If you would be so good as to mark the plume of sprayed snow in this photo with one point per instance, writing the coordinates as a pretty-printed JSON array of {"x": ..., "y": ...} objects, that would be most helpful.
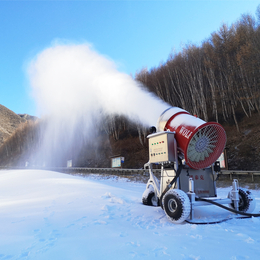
[{"x": 73, "y": 84}]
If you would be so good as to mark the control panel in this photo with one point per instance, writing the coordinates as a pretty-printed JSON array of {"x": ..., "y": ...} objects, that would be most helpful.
[{"x": 162, "y": 147}]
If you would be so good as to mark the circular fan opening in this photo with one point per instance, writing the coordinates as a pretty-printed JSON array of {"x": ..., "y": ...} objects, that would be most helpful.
[{"x": 206, "y": 146}]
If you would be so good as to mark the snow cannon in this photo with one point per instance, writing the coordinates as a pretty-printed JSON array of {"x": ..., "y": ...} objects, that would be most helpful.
[
  {"x": 200, "y": 143},
  {"x": 184, "y": 187}
]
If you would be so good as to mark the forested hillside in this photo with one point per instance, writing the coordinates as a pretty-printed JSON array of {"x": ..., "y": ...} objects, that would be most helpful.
[{"x": 217, "y": 81}]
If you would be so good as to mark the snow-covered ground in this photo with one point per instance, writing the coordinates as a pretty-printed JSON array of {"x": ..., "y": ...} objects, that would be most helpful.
[{"x": 49, "y": 215}]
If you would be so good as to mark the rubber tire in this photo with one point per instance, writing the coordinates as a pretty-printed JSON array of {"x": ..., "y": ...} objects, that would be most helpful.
[
  {"x": 246, "y": 201},
  {"x": 149, "y": 198},
  {"x": 177, "y": 206}
]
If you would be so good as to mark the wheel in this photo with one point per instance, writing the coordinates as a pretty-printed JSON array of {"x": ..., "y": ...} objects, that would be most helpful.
[
  {"x": 149, "y": 198},
  {"x": 176, "y": 204},
  {"x": 246, "y": 201}
]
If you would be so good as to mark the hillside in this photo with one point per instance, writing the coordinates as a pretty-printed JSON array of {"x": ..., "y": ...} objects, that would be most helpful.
[
  {"x": 9, "y": 122},
  {"x": 242, "y": 148}
]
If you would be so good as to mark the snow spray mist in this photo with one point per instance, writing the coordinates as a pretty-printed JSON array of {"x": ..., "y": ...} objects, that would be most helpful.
[{"x": 74, "y": 87}]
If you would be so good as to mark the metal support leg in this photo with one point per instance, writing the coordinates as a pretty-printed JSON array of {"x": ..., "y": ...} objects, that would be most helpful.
[
  {"x": 235, "y": 194},
  {"x": 191, "y": 196}
]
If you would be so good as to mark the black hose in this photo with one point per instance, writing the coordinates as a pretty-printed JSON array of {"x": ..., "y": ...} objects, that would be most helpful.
[
  {"x": 245, "y": 215},
  {"x": 229, "y": 209},
  {"x": 214, "y": 222}
]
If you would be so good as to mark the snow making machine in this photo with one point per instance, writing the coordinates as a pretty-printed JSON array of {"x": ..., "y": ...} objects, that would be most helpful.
[{"x": 187, "y": 149}]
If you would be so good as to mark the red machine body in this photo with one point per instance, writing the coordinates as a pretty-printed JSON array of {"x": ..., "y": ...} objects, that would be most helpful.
[{"x": 200, "y": 142}]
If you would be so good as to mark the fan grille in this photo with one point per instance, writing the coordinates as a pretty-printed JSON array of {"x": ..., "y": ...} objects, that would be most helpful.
[{"x": 206, "y": 146}]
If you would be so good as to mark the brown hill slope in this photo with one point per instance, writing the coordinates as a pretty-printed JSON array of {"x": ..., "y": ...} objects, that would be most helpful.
[
  {"x": 9, "y": 121},
  {"x": 243, "y": 148}
]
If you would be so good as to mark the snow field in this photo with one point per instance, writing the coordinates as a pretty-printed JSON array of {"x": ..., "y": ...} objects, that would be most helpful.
[{"x": 50, "y": 215}]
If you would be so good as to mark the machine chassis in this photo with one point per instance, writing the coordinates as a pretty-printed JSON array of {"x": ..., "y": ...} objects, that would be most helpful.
[{"x": 180, "y": 188}]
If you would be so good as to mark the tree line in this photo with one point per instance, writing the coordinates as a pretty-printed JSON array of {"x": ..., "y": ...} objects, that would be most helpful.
[
  {"x": 218, "y": 80},
  {"x": 27, "y": 146},
  {"x": 24, "y": 141}
]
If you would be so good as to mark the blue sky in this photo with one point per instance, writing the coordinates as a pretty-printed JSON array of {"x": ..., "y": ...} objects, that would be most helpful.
[{"x": 135, "y": 34}]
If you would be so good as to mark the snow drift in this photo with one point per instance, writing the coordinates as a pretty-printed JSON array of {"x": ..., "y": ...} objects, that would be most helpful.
[{"x": 50, "y": 215}]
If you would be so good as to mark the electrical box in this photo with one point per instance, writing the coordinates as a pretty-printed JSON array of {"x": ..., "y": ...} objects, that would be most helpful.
[
  {"x": 162, "y": 147},
  {"x": 204, "y": 181}
]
